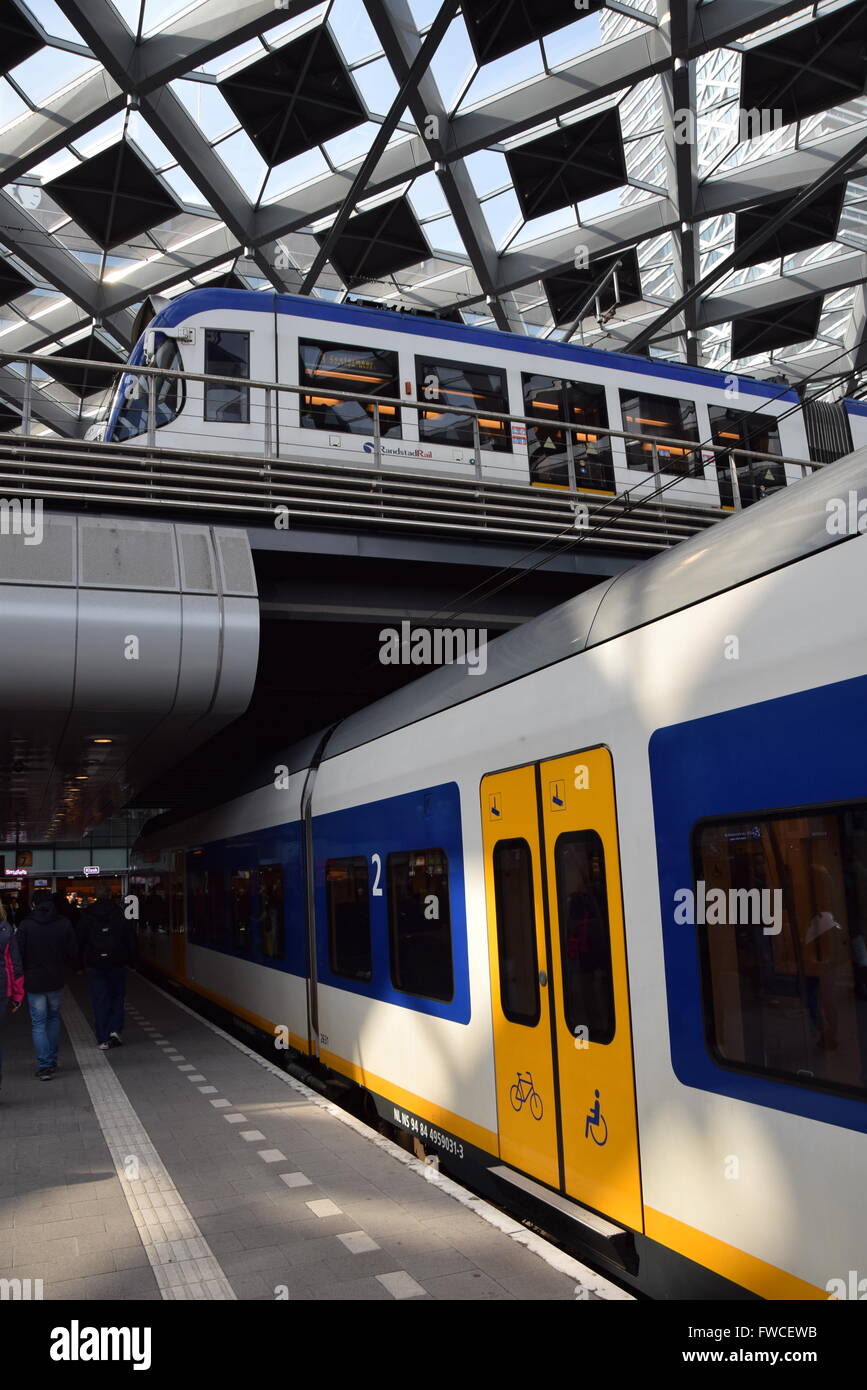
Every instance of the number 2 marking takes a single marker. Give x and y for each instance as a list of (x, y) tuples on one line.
[(377, 863)]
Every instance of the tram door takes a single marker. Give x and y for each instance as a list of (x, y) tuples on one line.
[(562, 1035)]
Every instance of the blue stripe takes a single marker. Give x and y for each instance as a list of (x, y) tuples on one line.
[(203, 300), (426, 819), (281, 845), (855, 407), (800, 750)]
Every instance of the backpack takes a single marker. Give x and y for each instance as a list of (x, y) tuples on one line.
[(106, 938)]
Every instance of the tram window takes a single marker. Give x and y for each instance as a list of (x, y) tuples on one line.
[(348, 897), (270, 891), (789, 1003), (227, 353), (667, 418), (551, 400), (759, 433), (420, 934), (448, 384), (169, 395), (241, 909), (516, 932), (585, 941), (328, 367)]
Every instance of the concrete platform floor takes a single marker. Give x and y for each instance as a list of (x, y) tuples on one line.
[(184, 1166)]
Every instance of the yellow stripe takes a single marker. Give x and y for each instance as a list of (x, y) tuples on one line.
[(743, 1269), (425, 1109), (434, 1114)]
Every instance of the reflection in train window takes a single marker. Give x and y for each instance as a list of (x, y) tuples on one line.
[(667, 418), (348, 910), (585, 943), (329, 367), (449, 384), (270, 894), (760, 434), (420, 923), (551, 401), (206, 903), (241, 909), (516, 931), (784, 959), (227, 353)]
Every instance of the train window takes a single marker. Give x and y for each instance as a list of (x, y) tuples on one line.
[(227, 353), (667, 418), (206, 904), (761, 433), (516, 932), (784, 959), (329, 367), (169, 395), (420, 935), (348, 908), (585, 942), (448, 384), (552, 401), (270, 892), (241, 909)]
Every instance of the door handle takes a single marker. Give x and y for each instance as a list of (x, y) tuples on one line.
[(543, 978)]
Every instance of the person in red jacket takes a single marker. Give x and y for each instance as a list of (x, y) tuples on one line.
[(11, 973)]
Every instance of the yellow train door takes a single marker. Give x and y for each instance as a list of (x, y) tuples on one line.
[(560, 997)]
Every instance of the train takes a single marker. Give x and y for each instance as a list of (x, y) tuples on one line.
[(589, 925), (425, 370)]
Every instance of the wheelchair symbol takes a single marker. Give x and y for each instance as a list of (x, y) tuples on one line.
[(596, 1122)]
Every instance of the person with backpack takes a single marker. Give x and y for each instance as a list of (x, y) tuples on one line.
[(47, 945), (11, 975), (107, 945)]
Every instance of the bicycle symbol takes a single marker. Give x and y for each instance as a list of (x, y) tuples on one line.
[(522, 1091), (596, 1121)]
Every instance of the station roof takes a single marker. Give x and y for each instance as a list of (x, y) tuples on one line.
[(148, 146)]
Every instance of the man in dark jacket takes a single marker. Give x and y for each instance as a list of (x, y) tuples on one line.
[(107, 943), (47, 945)]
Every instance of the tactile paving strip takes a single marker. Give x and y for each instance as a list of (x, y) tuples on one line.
[(184, 1266)]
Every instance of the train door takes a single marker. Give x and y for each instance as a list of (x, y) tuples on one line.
[(560, 998)]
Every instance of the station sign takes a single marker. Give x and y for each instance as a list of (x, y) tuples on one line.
[(91, 870)]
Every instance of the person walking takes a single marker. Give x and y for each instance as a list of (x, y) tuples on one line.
[(107, 943), (47, 945), (11, 978)]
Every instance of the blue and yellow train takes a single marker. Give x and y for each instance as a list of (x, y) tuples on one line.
[(591, 925)]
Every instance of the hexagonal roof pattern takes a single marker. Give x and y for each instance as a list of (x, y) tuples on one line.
[(683, 178)]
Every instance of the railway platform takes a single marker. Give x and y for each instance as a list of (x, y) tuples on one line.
[(184, 1166)]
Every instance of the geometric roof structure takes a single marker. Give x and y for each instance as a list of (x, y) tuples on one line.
[(149, 146)]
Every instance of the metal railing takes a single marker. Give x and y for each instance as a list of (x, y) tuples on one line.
[(149, 473)]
